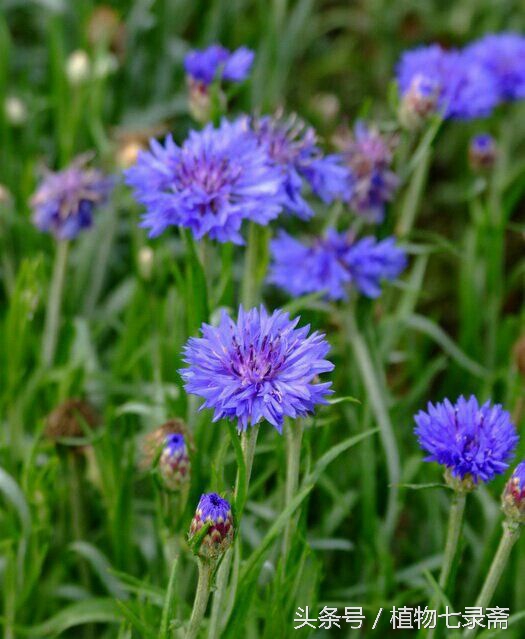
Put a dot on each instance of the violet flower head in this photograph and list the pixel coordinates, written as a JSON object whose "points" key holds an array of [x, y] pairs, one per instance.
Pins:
{"points": [[513, 498], [174, 462], [294, 149], [333, 264], [475, 442], [260, 367], [218, 63], [368, 154], [210, 184], [502, 55], [65, 201], [215, 511], [466, 89]]}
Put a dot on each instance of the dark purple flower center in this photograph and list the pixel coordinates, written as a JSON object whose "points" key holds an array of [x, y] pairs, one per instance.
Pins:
{"points": [[254, 366]]}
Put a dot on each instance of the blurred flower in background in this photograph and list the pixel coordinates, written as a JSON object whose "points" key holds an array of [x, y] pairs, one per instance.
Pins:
{"points": [[419, 102], [369, 155], [174, 462], [293, 147], [260, 367], [335, 263], [218, 63], [466, 89], [65, 201], [502, 55]]}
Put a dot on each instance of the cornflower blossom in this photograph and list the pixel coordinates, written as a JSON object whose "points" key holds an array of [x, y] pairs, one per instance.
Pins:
{"points": [[260, 367], [215, 511], [334, 264], [218, 63]]}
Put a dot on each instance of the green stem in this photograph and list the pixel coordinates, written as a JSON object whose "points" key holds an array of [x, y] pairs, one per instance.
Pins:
{"points": [[54, 302], [294, 436], [201, 598], [373, 388], [455, 522], [77, 508], [255, 265], [248, 442], [413, 195], [511, 533]]}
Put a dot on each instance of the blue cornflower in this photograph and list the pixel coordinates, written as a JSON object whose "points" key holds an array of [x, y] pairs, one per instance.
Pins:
{"points": [[482, 152], [293, 147], [513, 498], [218, 63], [210, 184], [368, 155], [260, 367], [65, 201], [334, 263], [174, 462], [502, 55], [466, 89], [474, 442], [215, 511]]}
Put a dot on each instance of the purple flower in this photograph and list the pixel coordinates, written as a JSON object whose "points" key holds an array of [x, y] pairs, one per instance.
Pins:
{"points": [[502, 55], [217, 513], [368, 154], [334, 263], [174, 463], [65, 201], [259, 368], [210, 184], [513, 499], [474, 442], [466, 89], [370, 261], [218, 63], [293, 148]]}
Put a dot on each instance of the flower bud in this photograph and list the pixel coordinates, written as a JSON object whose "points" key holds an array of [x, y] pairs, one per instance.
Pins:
{"points": [[145, 262], [216, 512], [78, 67], [513, 498], [418, 102], [482, 152], [174, 463], [153, 443]]}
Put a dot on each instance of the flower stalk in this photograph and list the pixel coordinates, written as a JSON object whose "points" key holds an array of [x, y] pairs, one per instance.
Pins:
{"points": [[201, 597], [54, 303]]}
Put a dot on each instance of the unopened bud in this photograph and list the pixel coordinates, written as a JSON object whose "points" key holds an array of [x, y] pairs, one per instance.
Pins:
{"points": [[482, 152], [513, 498], [174, 463], [78, 67], [15, 111], [418, 103], [214, 512]]}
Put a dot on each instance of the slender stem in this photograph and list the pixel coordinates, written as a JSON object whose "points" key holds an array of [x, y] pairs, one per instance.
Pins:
{"points": [[511, 533], [254, 265], [54, 303], [201, 598], [248, 442], [373, 389], [413, 195], [77, 508], [455, 522], [294, 436]]}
